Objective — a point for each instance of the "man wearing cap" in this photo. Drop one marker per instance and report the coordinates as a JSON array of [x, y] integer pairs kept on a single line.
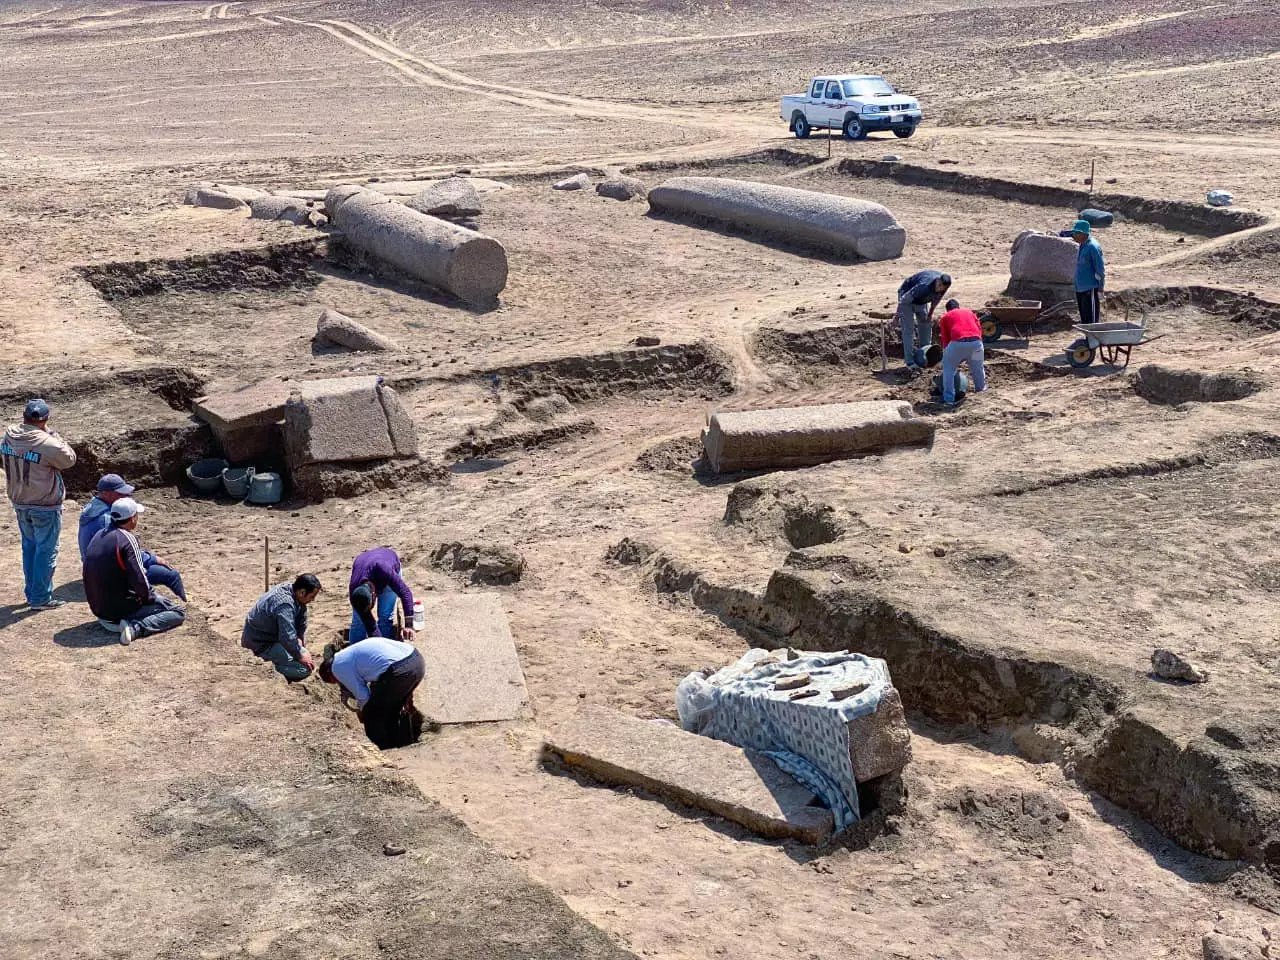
[[1091, 273], [34, 458], [376, 581], [918, 296], [96, 516], [276, 627], [115, 584]]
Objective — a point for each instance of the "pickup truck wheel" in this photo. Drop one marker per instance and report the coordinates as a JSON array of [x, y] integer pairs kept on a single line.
[[800, 126], [903, 132], [853, 129]]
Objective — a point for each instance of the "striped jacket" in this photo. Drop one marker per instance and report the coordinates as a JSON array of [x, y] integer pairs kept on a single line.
[[115, 583]]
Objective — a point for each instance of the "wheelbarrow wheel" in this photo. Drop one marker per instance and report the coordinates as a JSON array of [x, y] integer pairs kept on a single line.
[[1080, 354], [991, 331]]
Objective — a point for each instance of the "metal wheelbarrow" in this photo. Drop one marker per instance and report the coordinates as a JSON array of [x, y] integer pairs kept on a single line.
[[1112, 341]]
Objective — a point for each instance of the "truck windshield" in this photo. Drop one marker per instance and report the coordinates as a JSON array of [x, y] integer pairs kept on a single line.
[[876, 86]]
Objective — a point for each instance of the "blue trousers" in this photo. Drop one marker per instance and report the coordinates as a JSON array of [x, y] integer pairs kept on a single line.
[[386, 613], [917, 331], [40, 529], [158, 575], [958, 352]]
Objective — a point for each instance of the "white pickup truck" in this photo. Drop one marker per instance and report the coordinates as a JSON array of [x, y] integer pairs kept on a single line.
[[854, 103]]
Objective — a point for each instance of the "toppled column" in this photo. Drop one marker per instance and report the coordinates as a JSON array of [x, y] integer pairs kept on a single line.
[[463, 262], [803, 436], [805, 218]]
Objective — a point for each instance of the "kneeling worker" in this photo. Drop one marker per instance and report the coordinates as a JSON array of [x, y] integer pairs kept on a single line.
[[381, 675], [276, 627], [961, 334], [115, 582], [97, 516]]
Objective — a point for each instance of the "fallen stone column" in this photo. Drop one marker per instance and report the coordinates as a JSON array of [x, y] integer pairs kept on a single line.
[[803, 436], [465, 263], [805, 218]]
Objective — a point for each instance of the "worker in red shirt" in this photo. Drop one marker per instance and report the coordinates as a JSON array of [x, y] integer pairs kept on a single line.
[[961, 343]]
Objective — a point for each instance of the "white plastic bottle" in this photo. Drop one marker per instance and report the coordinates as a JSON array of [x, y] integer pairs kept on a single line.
[[419, 616]]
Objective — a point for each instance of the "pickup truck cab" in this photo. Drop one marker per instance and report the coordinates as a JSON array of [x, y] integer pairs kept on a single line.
[[854, 103]]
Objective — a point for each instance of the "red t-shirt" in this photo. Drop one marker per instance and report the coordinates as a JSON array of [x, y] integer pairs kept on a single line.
[[959, 323]]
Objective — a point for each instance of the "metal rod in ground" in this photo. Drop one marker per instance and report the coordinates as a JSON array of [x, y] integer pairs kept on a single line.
[[1093, 164], [266, 563]]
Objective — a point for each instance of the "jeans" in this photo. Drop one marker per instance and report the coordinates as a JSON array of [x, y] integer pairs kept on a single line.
[[386, 612], [917, 331], [957, 352], [387, 696], [1089, 302], [158, 575], [289, 668], [40, 528], [156, 617]]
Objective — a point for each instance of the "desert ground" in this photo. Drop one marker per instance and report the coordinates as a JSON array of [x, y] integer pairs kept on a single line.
[[175, 798]]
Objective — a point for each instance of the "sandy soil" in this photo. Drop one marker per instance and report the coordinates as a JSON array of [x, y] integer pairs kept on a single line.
[[193, 847]]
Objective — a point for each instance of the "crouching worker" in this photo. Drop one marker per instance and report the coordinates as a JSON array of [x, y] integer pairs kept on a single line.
[[961, 334], [381, 675], [276, 627], [116, 584], [96, 516], [376, 583]]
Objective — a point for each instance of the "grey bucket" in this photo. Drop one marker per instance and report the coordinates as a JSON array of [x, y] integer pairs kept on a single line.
[[236, 480], [206, 475], [266, 488]]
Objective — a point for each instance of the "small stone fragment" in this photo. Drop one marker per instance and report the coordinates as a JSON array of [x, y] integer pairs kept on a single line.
[[904, 547], [844, 693], [392, 849], [939, 552], [1169, 666], [792, 683], [801, 694], [579, 181], [1218, 946]]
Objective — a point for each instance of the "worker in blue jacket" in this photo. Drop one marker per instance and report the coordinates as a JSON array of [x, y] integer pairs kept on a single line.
[[1091, 273]]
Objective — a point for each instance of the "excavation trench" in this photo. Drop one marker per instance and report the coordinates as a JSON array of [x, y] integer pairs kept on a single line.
[[1207, 792]]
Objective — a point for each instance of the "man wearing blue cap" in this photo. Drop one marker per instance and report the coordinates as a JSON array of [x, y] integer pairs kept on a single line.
[[1091, 274], [96, 516], [34, 458]]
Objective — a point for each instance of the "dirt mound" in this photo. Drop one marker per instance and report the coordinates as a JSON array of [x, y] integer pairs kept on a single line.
[[771, 510], [1019, 818], [492, 563], [678, 455], [838, 345]]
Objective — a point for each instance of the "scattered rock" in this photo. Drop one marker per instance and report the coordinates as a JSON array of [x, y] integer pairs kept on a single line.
[[1169, 666], [280, 208], [904, 548], [1218, 946], [543, 409], [392, 849], [950, 162], [1219, 198], [1112, 180], [341, 331], [890, 158], [454, 197], [490, 563], [216, 199], [646, 341], [622, 187], [1096, 217], [939, 552], [579, 181]]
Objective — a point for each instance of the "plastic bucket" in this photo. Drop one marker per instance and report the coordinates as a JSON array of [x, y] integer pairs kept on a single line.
[[266, 488], [206, 475], [236, 480]]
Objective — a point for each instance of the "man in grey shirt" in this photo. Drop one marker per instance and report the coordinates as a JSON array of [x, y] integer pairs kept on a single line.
[[276, 627]]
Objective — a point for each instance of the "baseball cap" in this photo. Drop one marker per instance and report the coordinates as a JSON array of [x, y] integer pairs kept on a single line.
[[126, 507], [36, 409], [1081, 226], [114, 483]]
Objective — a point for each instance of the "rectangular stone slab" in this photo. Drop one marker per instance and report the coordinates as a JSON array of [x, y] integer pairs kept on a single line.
[[739, 785], [802, 436], [473, 671], [336, 421], [255, 405]]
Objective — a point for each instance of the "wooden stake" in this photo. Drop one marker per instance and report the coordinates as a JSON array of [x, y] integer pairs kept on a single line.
[[1093, 164], [266, 564]]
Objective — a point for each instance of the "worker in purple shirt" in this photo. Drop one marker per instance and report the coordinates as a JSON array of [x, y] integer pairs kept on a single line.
[[376, 584]]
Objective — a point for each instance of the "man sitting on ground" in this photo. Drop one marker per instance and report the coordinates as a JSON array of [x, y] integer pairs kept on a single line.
[[96, 516], [375, 579], [115, 583], [276, 627], [381, 675], [961, 334]]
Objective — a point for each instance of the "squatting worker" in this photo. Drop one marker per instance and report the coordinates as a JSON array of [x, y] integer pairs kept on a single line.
[[1091, 273], [376, 582], [34, 458], [276, 627], [96, 516], [961, 334], [115, 584], [381, 675], [918, 297]]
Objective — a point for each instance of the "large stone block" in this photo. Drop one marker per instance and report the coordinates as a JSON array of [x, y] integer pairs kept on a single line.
[[823, 221], [341, 331], [451, 197], [1043, 258], [337, 421], [801, 436], [740, 785], [473, 669], [247, 422]]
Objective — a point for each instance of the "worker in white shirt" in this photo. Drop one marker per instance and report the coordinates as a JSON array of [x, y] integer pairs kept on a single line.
[[381, 675]]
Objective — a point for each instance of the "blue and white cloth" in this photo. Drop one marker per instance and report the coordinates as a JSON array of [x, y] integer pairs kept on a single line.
[[807, 737]]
